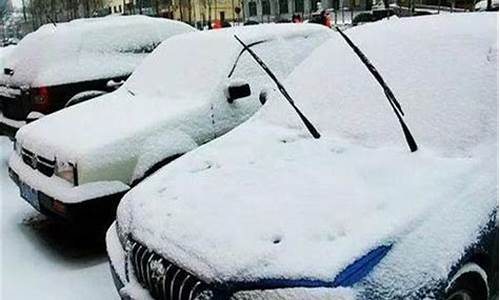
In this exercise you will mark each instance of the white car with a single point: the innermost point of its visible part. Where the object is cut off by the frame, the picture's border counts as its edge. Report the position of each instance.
(190, 90)
(62, 64)
(343, 197)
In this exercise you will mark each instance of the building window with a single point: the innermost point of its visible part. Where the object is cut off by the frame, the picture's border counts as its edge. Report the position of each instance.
(266, 7)
(252, 7)
(299, 6)
(222, 16)
(283, 6)
(120, 8)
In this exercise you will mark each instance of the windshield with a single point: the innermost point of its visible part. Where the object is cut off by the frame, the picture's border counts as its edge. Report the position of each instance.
(184, 66)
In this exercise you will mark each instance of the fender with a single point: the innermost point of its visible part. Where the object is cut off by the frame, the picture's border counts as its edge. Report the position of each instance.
(159, 150)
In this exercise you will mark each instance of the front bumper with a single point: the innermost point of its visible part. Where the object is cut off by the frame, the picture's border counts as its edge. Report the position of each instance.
(58, 199)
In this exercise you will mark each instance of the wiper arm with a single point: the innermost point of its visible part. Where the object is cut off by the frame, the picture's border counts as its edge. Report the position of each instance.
(387, 91)
(239, 56)
(282, 89)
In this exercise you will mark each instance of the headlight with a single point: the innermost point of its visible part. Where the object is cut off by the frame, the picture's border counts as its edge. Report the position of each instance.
(67, 171)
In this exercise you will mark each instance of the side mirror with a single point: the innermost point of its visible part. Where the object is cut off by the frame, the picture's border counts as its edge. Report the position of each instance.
(236, 90)
(114, 84)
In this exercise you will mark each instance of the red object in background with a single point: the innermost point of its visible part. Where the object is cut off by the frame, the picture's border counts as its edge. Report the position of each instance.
(296, 19)
(40, 99)
(328, 21)
(217, 24)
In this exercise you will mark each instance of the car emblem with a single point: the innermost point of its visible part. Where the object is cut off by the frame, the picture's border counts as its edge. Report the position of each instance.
(157, 270)
(33, 162)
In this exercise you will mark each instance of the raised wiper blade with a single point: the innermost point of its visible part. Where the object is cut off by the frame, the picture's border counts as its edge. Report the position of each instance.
(282, 89)
(387, 91)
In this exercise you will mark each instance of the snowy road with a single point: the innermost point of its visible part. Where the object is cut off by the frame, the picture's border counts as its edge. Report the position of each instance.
(46, 260)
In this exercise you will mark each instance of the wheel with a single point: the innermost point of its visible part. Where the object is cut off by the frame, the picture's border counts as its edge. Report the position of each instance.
(469, 283)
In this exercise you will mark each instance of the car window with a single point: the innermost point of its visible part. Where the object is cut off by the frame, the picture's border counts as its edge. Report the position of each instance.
(122, 39)
(281, 55)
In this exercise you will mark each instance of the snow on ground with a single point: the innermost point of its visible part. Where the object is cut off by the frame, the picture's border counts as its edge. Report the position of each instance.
(43, 259)
(264, 169)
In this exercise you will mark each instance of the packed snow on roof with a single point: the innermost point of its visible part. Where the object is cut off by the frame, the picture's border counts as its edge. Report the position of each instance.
(87, 49)
(271, 202)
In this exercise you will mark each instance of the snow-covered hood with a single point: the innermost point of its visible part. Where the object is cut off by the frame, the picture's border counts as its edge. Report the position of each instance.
(110, 128)
(282, 214)
(267, 201)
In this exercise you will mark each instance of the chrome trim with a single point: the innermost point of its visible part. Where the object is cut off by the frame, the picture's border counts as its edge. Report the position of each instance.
(162, 293)
(148, 269)
(182, 287)
(172, 284)
(191, 294)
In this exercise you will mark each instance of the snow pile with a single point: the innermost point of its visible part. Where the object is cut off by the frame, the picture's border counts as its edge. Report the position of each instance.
(88, 49)
(270, 202)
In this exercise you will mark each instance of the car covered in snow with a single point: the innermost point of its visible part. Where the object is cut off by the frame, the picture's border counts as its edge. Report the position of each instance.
(379, 180)
(193, 88)
(62, 64)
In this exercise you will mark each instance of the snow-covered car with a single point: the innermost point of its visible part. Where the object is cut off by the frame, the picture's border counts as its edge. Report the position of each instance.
(190, 90)
(381, 206)
(66, 63)
(483, 5)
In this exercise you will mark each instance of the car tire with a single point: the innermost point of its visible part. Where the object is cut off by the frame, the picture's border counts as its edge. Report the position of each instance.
(469, 283)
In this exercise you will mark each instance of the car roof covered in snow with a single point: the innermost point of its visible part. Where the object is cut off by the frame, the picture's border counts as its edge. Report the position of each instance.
(87, 49)
(267, 201)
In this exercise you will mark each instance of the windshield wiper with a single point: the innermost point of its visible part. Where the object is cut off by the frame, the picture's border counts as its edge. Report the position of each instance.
(388, 93)
(282, 89)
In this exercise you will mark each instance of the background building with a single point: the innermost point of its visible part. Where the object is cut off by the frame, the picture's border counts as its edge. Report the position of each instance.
(115, 7)
(276, 10)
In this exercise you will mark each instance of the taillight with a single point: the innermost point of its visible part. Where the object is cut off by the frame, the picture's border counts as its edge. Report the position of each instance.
(41, 95)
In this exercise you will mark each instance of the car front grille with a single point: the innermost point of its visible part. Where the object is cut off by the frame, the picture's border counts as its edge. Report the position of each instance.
(36, 162)
(163, 279)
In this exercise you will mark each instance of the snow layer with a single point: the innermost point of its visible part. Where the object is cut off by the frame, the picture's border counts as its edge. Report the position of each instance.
(87, 49)
(271, 202)
(59, 188)
(177, 91)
